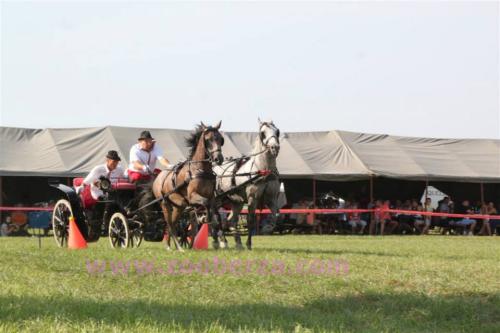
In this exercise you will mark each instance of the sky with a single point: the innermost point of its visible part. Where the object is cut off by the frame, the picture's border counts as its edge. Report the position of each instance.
(426, 69)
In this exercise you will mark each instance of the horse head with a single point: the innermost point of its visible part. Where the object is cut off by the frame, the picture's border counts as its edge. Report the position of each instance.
(213, 141)
(269, 136)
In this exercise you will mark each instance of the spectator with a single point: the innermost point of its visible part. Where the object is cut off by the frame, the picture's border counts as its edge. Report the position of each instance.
(301, 218)
(19, 217)
(406, 221)
(444, 207)
(487, 209)
(5, 228)
(418, 219)
(356, 221)
(426, 221)
(465, 208)
(383, 217)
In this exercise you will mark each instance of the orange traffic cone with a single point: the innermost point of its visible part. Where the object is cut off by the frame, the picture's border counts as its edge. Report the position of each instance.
(201, 239)
(75, 239)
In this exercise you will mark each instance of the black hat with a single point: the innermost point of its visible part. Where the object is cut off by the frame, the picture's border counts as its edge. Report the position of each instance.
(113, 155)
(145, 135)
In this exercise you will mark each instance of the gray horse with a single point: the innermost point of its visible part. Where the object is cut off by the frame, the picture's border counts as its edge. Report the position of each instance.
(234, 177)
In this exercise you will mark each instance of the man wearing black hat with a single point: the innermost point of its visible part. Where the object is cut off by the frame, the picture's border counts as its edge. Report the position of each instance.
(143, 156)
(110, 170)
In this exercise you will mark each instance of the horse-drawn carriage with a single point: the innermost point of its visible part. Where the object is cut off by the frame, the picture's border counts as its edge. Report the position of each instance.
(186, 196)
(112, 216)
(94, 219)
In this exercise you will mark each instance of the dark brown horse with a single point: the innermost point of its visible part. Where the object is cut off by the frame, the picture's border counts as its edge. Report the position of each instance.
(193, 182)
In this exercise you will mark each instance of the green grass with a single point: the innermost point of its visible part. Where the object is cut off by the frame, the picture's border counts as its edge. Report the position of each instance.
(394, 284)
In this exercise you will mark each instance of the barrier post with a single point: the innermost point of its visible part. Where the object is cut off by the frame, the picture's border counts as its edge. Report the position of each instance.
(257, 218)
(1, 198)
(372, 215)
(482, 192)
(314, 199)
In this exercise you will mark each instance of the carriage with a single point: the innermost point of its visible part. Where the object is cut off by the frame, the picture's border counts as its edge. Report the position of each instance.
(111, 217)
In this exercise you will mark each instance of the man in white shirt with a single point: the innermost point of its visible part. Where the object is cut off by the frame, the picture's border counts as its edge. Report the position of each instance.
(143, 156)
(110, 170)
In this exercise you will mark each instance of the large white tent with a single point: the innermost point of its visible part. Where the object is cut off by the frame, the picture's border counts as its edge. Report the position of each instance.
(328, 155)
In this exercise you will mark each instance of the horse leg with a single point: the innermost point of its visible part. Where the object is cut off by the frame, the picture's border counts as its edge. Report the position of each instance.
(210, 219)
(217, 230)
(221, 234)
(273, 206)
(219, 238)
(176, 213)
(233, 220)
(167, 214)
(252, 203)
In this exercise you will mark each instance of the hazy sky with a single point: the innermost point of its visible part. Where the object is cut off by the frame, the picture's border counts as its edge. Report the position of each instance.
(416, 69)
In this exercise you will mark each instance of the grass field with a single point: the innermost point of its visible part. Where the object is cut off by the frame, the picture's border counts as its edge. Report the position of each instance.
(394, 284)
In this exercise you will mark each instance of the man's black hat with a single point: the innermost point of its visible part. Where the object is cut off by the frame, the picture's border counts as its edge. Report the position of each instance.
(113, 155)
(145, 135)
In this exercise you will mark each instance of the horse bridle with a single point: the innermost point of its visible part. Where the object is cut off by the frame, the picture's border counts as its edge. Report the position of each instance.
(266, 140)
(209, 152)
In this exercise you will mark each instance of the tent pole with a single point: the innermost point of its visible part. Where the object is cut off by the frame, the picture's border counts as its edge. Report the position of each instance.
(426, 188)
(314, 193)
(371, 189)
(372, 215)
(482, 192)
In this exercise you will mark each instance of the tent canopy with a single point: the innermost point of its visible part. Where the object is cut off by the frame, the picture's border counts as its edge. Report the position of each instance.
(328, 155)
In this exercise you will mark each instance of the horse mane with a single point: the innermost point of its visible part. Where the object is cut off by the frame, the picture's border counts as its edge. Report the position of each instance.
(192, 140)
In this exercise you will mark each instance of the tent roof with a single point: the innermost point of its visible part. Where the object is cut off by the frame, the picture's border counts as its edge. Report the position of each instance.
(328, 155)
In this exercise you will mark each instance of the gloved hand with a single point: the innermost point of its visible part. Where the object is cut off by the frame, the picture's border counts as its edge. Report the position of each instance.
(79, 189)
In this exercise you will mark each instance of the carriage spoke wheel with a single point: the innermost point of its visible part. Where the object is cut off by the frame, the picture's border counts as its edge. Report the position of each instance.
(136, 236)
(118, 232)
(60, 222)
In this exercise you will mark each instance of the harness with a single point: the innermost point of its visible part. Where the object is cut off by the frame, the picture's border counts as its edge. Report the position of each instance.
(256, 176)
(236, 168)
(198, 174)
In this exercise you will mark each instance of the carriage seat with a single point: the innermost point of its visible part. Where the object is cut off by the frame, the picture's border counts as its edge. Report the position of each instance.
(119, 184)
(123, 184)
(86, 198)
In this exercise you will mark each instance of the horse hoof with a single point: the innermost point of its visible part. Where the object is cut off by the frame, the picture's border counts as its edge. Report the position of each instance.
(215, 245)
(249, 247)
(181, 250)
(223, 245)
(239, 246)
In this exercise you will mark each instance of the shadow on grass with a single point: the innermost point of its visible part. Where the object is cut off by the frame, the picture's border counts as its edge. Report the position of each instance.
(369, 312)
(323, 251)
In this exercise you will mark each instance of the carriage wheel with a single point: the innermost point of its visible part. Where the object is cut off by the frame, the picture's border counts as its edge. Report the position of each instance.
(118, 232)
(60, 222)
(136, 236)
(189, 232)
